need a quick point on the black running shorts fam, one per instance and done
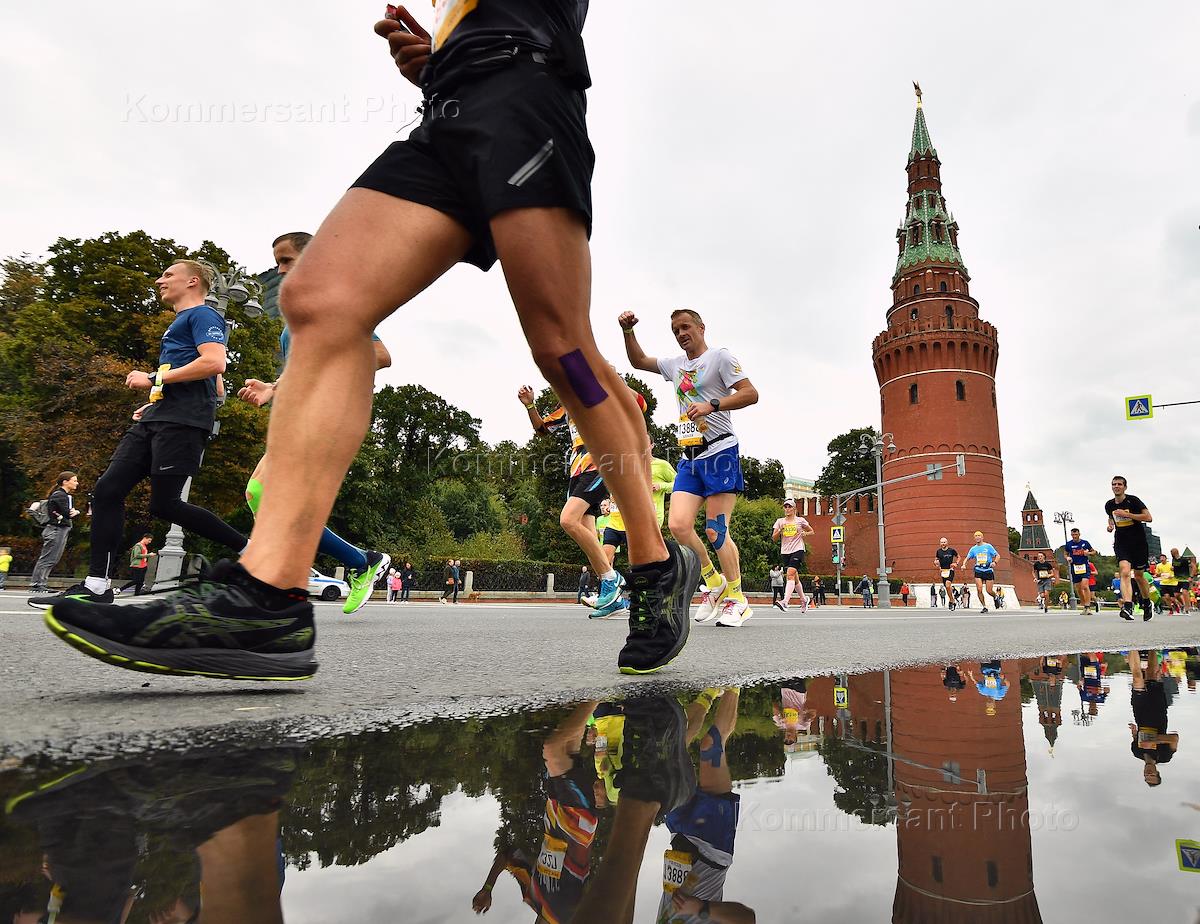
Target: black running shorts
(988, 575)
(795, 560)
(508, 139)
(613, 537)
(1130, 545)
(162, 448)
(590, 487)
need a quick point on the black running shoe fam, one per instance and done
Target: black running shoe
(660, 600)
(1126, 611)
(77, 592)
(984, 610)
(221, 626)
(1147, 611)
(656, 766)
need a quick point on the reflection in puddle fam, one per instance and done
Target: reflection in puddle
(904, 793)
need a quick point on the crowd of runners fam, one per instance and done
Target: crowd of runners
(516, 73)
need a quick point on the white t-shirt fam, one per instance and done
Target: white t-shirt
(710, 375)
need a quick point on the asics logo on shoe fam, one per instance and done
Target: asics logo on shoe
(197, 623)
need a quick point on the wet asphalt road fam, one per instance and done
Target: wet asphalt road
(393, 664)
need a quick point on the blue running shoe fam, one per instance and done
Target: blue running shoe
(609, 592)
(618, 609)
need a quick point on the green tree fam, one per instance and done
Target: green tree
(763, 479)
(1014, 540)
(848, 466)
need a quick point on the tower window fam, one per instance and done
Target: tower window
(960, 390)
(950, 315)
(912, 393)
(942, 287)
(913, 314)
(916, 290)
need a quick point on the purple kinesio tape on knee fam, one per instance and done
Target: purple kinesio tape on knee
(582, 379)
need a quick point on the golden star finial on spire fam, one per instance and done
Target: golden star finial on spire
(917, 88)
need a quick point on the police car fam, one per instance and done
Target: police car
(326, 588)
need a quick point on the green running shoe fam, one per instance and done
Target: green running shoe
(363, 582)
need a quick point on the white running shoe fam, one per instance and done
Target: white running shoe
(710, 602)
(804, 604)
(781, 606)
(734, 612)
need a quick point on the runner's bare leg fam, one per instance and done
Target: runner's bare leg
(371, 255)
(547, 265)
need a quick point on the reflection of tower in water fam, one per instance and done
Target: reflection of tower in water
(963, 840)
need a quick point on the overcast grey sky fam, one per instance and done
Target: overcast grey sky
(751, 169)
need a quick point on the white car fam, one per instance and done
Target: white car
(327, 588)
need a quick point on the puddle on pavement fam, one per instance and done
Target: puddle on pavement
(1013, 790)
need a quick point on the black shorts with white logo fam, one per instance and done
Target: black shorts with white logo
(506, 139)
(1130, 545)
(162, 448)
(589, 486)
(795, 560)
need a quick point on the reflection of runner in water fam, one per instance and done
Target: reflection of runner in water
(791, 714)
(1092, 689)
(994, 685)
(1151, 743)
(952, 681)
(553, 882)
(703, 828)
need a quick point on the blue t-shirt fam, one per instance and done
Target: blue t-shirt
(193, 404)
(992, 685)
(1078, 549)
(982, 556)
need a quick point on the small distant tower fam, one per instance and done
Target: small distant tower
(1033, 530)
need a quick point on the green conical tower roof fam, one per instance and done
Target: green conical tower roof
(928, 233)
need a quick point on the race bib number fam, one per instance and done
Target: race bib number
(1052, 662)
(1091, 672)
(1079, 569)
(946, 573)
(1122, 521)
(447, 14)
(990, 682)
(687, 432)
(789, 530)
(551, 859)
(677, 865)
(576, 439)
(981, 559)
(1147, 737)
(791, 716)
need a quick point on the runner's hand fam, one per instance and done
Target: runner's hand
(482, 901)
(410, 50)
(137, 379)
(525, 395)
(256, 392)
(686, 904)
(627, 319)
(137, 415)
(696, 411)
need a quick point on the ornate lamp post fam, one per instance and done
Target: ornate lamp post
(1064, 517)
(237, 286)
(874, 445)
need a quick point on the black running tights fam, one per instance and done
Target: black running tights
(108, 513)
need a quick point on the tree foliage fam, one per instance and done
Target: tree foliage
(848, 467)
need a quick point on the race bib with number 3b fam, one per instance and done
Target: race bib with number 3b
(677, 865)
(1079, 569)
(447, 14)
(981, 559)
(551, 859)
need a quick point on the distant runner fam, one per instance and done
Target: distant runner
(1044, 572)
(790, 530)
(947, 563)
(983, 556)
(1079, 552)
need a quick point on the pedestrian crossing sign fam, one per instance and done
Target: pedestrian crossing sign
(1139, 407)
(1189, 855)
(837, 534)
(841, 698)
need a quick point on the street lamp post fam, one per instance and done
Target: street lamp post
(874, 445)
(1064, 517)
(232, 285)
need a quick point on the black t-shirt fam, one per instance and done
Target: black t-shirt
(58, 505)
(497, 27)
(946, 557)
(1150, 711)
(1043, 569)
(1131, 503)
(953, 680)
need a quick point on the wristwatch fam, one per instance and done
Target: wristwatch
(716, 404)
(704, 911)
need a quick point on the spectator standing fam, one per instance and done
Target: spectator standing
(407, 577)
(776, 583)
(139, 563)
(867, 591)
(449, 581)
(818, 594)
(458, 578)
(933, 595)
(5, 564)
(395, 584)
(585, 584)
(942, 594)
(904, 592)
(60, 507)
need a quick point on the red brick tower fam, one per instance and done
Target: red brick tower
(936, 366)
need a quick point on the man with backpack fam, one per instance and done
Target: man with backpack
(54, 515)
